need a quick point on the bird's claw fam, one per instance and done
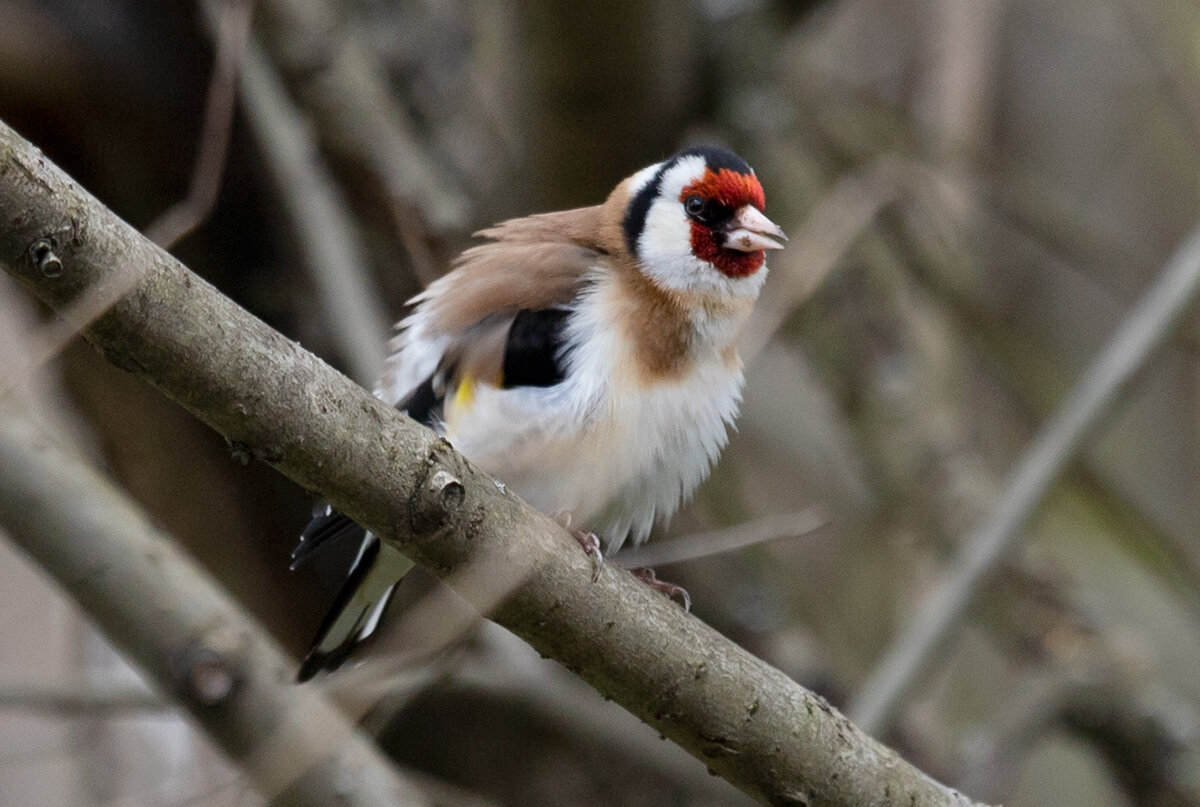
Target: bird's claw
(587, 540)
(672, 590)
(591, 545)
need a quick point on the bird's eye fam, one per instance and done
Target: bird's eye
(695, 206)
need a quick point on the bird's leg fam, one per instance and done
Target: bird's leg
(587, 540)
(648, 577)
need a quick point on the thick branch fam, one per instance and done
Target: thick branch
(183, 630)
(744, 719)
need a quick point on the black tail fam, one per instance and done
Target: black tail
(362, 599)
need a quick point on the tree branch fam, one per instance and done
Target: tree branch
(271, 399)
(182, 629)
(344, 86)
(320, 219)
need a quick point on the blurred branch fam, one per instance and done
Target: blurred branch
(182, 629)
(1142, 24)
(345, 89)
(69, 700)
(1150, 746)
(1107, 696)
(992, 758)
(232, 32)
(831, 228)
(964, 47)
(321, 222)
(1152, 750)
(1143, 330)
(715, 542)
(744, 719)
(1024, 362)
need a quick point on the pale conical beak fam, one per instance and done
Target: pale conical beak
(749, 231)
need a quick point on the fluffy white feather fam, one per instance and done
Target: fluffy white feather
(613, 452)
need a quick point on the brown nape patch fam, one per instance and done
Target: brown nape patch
(659, 324)
(610, 229)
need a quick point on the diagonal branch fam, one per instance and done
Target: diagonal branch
(182, 629)
(320, 218)
(747, 721)
(344, 87)
(1143, 330)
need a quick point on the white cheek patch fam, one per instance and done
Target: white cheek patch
(665, 245)
(642, 178)
(666, 237)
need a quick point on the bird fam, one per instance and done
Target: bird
(586, 358)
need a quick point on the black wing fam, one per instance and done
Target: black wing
(533, 352)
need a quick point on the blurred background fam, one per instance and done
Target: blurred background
(977, 191)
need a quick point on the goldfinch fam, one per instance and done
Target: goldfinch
(585, 358)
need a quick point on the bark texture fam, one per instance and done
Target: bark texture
(271, 399)
(183, 630)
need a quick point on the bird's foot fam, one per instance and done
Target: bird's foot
(648, 577)
(587, 540)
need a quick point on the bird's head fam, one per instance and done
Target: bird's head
(695, 223)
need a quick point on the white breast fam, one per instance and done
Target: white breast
(610, 449)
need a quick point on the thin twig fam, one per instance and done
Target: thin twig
(344, 87)
(321, 222)
(716, 542)
(1143, 330)
(232, 33)
(831, 228)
